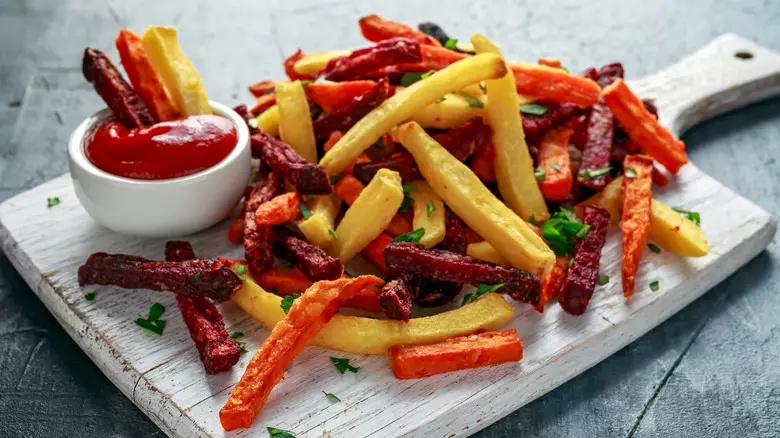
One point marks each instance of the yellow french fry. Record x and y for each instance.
(313, 63)
(428, 213)
(268, 121)
(176, 71)
(295, 125)
(485, 251)
(320, 228)
(449, 113)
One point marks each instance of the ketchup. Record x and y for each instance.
(161, 151)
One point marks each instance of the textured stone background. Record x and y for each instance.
(711, 370)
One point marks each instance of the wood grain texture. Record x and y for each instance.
(163, 376)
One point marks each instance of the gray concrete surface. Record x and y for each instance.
(713, 370)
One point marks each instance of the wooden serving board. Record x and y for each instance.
(163, 376)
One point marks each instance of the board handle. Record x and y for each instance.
(728, 73)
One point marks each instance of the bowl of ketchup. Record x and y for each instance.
(165, 180)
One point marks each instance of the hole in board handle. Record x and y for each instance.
(743, 55)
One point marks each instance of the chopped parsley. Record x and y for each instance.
(410, 77)
(532, 220)
(540, 174)
(405, 204)
(692, 216)
(654, 286)
(241, 344)
(589, 174)
(602, 280)
(310, 197)
(482, 289)
(305, 212)
(153, 323)
(560, 231)
(451, 44)
(51, 202)
(441, 100)
(335, 178)
(90, 296)
(240, 269)
(557, 167)
(474, 103)
(653, 247)
(430, 207)
(331, 396)
(427, 74)
(534, 108)
(630, 173)
(279, 433)
(197, 275)
(287, 302)
(407, 188)
(253, 180)
(320, 79)
(482, 87)
(412, 236)
(333, 233)
(343, 365)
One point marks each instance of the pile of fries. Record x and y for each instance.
(443, 165)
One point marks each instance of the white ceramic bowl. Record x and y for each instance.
(160, 208)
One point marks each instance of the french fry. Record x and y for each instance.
(142, 75)
(369, 215)
(636, 218)
(450, 113)
(485, 251)
(236, 230)
(553, 159)
(555, 84)
(268, 121)
(266, 87)
(675, 233)
(465, 194)
(397, 108)
(319, 228)
(513, 164)
(334, 95)
(279, 210)
(358, 335)
(375, 28)
(435, 58)
(609, 198)
(295, 124)
(374, 252)
(428, 213)
(643, 128)
(307, 316)
(313, 63)
(263, 103)
(349, 188)
(455, 354)
(551, 283)
(176, 71)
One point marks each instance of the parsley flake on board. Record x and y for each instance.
(412, 236)
(560, 231)
(430, 207)
(692, 216)
(153, 323)
(602, 280)
(287, 302)
(305, 212)
(90, 296)
(51, 202)
(482, 289)
(654, 286)
(279, 433)
(630, 173)
(590, 174)
(451, 44)
(540, 174)
(534, 108)
(331, 396)
(655, 248)
(474, 103)
(342, 365)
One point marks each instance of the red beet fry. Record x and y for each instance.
(217, 350)
(583, 273)
(257, 240)
(308, 178)
(125, 104)
(358, 63)
(345, 117)
(535, 126)
(416, 261)
(401, 162)
(396, 298)
(244, 113)
(315, 264)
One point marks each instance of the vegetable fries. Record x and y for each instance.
(319, 227)
(635, 223)
(428, 213)
(268, 121)
(676, 233)
(306, 318)
(396, 109)
(311, 64)
(465, 194)
(360, 335)
(449, 113)
(295, 125)
(513, 164)
(176, 71)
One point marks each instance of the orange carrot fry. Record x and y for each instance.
(635, 222)
(551, 283)
(263, 103)
(643, 128)
(455, 354)
(375, 28)
(289, 281)
(482, 163)
(236, 230)
(553, 159)
(334, 95)
(555, 63)
(398, 225)
(143, 77)
(548, 83)
(289, 337)
(279, 210)
(348, 188)
(334, 138)
(374, 252)
(362, 158)
(264, 87)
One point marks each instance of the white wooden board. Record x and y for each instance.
(163, 376)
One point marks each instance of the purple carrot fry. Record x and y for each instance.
(360, 62)
(257, 240)
(315, 264)
(308, 178)
(583, 272)
(345, 117)
(396, 298)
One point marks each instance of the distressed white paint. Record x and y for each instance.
(162, 375)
